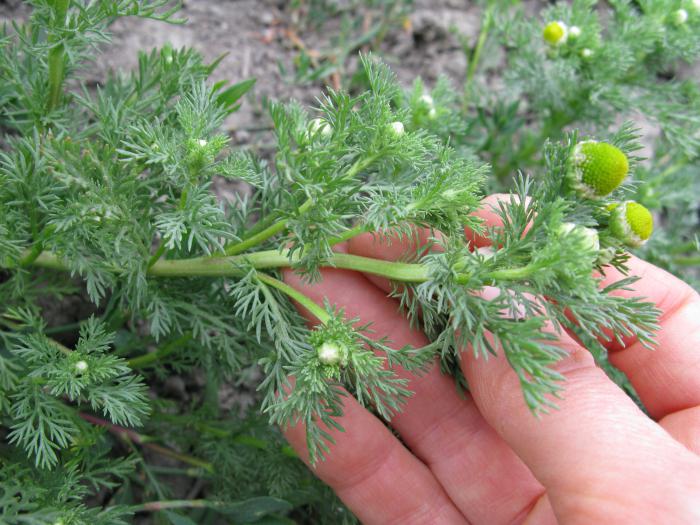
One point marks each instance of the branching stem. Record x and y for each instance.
(235, 266)
(279, 226)
(147, 442)
(318, 312)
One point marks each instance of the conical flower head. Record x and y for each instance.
(597, 169)
(555, 33)
(632, 223)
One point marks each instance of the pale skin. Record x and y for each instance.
(486, 459)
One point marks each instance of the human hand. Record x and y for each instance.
(487, 459)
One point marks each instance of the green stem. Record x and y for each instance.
(232, 266)
(353, 232)
(265, 234)
(18, 327)
(221, 433)
(146, 441)
(318, 312)
(687, 261)
(33, 254)
(150, 358)
(155, 506)
(512, 274)
(56, 59)
(476, 55)
(156, 256)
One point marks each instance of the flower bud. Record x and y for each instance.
(427, 100)
(586, 53)
(555, 33)
(574, 32)
(319, 125)
(397, 127)
(588, 236)
(680, 17)
(331, 353)
(632, 223)
(597, 168)
(81, 367)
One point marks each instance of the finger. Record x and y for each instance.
(598, 455)
(667, 379)
(374, 475)
(684, 426)
(488, 213)
(484, 478)
(394, 248)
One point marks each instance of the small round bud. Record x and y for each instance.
(586, 53)
(597, 168)
(319, 125)
(331, 353)
(81, 367)
(555, 33)
(574, 32)
(680, 16)
(589, 236)
(427, 100)
(202, 143)
(397, 127)
(632, 223)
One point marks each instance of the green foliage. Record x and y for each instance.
(108, 198)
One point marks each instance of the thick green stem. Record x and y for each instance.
(236, 266)
(57, 59)
(231, 266)
(512, 274)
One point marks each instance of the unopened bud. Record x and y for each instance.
(397, 127)
(331, 353)
(680, 17)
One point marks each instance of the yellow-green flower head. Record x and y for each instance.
(555, 33)
(632, 223)
(597, 168)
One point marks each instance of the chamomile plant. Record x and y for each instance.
(106, 198)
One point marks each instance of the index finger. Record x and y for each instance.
(666, 378)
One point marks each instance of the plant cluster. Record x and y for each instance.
(106, 194)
